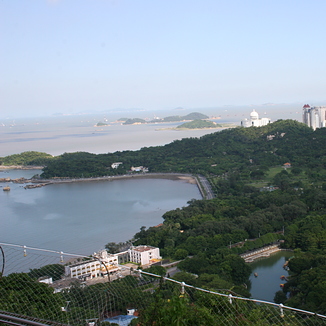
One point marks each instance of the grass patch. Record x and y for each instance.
(272, 172)
(258, 184)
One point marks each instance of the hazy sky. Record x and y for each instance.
(77, 55)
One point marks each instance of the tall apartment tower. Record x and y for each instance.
(314, 116)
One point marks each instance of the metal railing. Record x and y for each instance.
(17, 303)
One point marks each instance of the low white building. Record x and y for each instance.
(115, 165)
(255, 121)
(138, 169)
(65, 284)
(45, 279)
(100, 265)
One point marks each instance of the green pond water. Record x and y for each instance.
(269, 270)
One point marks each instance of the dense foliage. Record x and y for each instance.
(24, 295)
(205, 231)
(305, 288)
(198, 308)
(56, 271)
(26, 158)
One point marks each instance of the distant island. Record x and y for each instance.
(174, 118)
(199, 124)
(134, 121)
(101, 124)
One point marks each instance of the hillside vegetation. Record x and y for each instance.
(248, 152)
(26, 158)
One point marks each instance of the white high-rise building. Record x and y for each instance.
(255, 121)
(314, 116)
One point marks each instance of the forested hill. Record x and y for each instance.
(199, 124)
(241, 149)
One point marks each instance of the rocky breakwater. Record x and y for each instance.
(35, 183)
(19, 180)
(5, 180)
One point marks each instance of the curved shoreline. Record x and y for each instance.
(171, 176)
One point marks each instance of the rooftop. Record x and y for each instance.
(143, 248)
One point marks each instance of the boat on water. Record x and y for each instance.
(284, 278)
(256, 274)
(7, 188)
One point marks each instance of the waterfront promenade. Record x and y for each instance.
(264, 252)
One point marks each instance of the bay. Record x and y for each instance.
(82, 217)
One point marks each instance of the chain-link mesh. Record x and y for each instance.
(35, 291)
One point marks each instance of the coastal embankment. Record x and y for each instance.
(202, 184)
(171, 176)
(264, 252)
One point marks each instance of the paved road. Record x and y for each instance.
(208, 191)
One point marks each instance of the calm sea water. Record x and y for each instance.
(56, 135)
(83, 217)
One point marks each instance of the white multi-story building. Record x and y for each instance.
(255, 121)
(102, 264)
(144, 255)
(314, 116)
